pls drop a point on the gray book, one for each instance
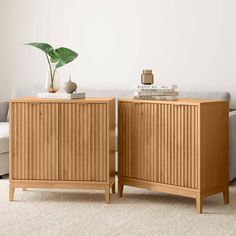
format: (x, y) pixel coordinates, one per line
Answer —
(163, 98)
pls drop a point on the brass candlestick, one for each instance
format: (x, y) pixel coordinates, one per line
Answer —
(147, 77)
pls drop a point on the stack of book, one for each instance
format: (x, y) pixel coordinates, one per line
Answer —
(156, 92)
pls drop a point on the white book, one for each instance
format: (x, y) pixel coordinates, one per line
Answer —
(61, 95)
(157, 86)
(155, 90)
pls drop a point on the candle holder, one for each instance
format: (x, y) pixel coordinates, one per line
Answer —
(147, 77)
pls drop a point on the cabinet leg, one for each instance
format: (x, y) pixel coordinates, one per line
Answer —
(120, 189)
(24, 189)
(226, 196)
(107, 195)
(199, 203)
(113, 188)
(11, 192)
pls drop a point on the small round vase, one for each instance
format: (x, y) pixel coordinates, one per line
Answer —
(52, 86)
(70, 86)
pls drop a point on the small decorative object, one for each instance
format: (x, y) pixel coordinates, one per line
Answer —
(147, 90)
(147, 77)
(70, 86)
(56, 58)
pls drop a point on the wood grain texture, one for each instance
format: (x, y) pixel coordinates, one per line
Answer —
(183, 144)
(62, 144)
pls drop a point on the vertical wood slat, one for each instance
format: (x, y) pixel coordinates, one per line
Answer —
(152, 142)
(172, 160)
(148, 137)
(95, 122)
(139, 117)
(189, 147)
(139, 137)
(133, 143)
(169, 134)
(135, 132)
(159, 146)
(155, 160)
(145, 140)
(120, 140)
(165, 145)
(127, 140)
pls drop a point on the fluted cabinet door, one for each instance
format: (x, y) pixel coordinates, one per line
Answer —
(34, 141)
(159, 143)
(83, 137)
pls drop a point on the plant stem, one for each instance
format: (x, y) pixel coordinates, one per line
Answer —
(53, 74)
(50, 68)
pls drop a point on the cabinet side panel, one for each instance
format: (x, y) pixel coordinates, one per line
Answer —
(214, 128)
(112, 124)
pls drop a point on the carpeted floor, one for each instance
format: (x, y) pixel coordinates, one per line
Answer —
(139, 212)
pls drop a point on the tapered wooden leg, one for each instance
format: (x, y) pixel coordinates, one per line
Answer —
(120, 189)
(11, 192)
(199, 203)
(114, 188)
(107, 195)
(24, 189)
(226, 196)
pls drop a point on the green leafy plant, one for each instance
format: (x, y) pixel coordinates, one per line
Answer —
(59, 57)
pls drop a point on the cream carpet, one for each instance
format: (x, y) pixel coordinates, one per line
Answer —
(139, 212)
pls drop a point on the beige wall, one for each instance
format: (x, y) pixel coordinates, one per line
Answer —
(188, 42)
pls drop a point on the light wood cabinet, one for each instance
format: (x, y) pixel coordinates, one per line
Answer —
(178, 147)
(62, 144)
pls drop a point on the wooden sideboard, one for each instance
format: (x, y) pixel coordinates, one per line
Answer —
(62, 144)
(177, 147)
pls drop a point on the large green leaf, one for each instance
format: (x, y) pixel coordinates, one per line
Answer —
(63, 56)
(45, 47)
(59, 57)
